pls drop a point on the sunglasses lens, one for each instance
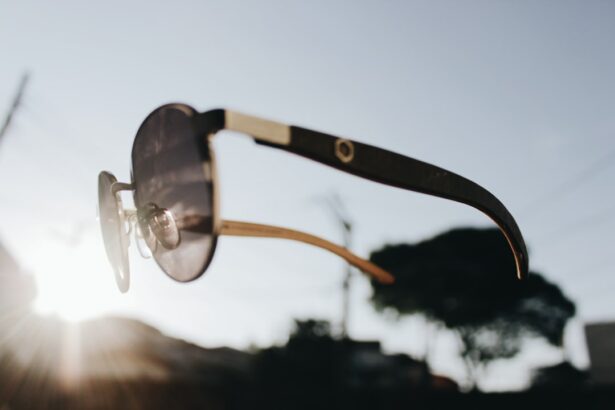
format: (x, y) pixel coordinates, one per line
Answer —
(112, 226)
(173, 176)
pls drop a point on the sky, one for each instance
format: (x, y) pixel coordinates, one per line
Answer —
(517, 96)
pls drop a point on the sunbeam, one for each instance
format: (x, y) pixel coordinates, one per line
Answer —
(71, 283)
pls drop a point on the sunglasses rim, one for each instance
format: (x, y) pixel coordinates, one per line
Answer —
(203, 147)
(122, 282)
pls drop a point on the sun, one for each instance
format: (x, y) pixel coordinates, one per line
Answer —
(74, 281)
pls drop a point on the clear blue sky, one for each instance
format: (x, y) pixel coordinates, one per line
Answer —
(518, 96)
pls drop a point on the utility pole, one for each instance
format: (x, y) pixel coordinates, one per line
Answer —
(15, 105)
(340, 214)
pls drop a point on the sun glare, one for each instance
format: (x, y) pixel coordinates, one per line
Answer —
(74, 281)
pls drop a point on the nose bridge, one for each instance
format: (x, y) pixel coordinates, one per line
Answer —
(122, 186)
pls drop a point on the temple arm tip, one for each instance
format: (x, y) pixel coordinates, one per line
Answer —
(523, 268)
(379, 274)
(522, 274)
(387, 280)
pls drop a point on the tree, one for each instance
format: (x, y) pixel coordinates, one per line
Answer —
(464, 280)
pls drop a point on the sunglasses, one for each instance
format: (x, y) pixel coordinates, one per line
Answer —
(175, 191)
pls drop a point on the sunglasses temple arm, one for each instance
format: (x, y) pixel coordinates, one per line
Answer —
(397, 170)
(236, 228)
(376, 164)
(382, 166)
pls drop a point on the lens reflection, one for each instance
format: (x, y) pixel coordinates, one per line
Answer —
(111, 224)
(173, 172)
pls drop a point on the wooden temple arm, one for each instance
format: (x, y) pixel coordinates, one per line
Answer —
(375, 164)
(235, 228)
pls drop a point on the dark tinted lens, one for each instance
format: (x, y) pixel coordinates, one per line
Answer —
(173, 176)
(111, 224)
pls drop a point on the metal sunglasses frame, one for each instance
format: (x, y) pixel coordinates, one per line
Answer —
(346, 155)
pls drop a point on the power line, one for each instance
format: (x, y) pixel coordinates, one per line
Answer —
(572, 183)
(16, 102)
(579, 225)
(339, 212)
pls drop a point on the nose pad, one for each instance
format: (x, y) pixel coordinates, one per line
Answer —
(127, 222)
(162, 225)
(146, 242)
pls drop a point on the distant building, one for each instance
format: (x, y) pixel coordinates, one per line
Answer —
(601, 345)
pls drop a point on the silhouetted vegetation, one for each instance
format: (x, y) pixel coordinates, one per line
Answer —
(561, 375)
(465, 280)
(123, 363)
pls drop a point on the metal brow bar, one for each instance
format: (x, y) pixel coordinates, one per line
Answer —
(235, 228)
(375, 164)
(263, 130)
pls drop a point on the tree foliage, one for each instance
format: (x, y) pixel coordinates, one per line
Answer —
(465, 280)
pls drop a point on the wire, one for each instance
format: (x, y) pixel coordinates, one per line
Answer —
(579, 225)
(572, 183)
(16, 102)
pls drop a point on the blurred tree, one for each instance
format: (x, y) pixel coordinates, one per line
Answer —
(465, 280)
